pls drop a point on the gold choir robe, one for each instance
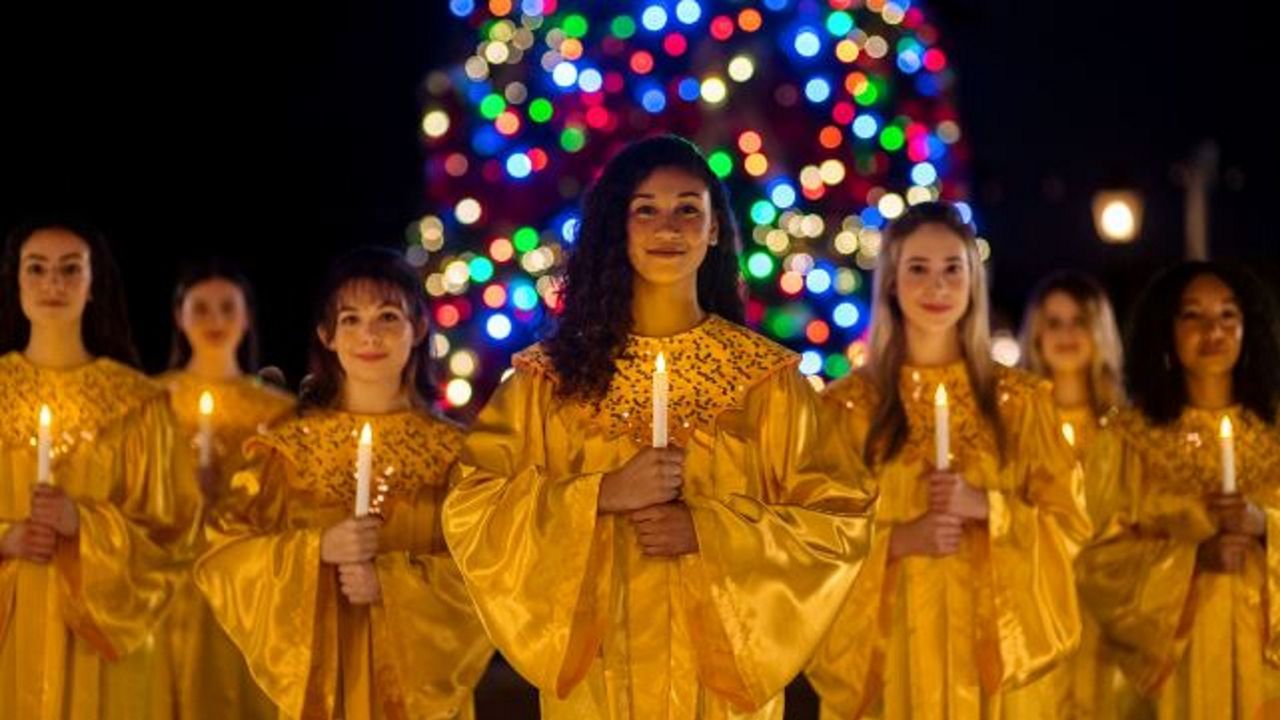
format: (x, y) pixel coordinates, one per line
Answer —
(1204, 645)
(208, 674)
(416, 654)
(76, 634)
(967, 635)
(606, 632)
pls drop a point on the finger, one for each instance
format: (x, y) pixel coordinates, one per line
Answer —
(646, 515)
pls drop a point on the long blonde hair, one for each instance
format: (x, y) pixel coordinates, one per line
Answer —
(1106, 367)
(888, 344)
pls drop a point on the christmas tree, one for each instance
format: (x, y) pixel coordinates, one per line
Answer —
(824, 119)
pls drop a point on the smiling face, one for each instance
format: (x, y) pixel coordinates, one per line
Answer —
(54, 277)
(670, 226)
(1208, 330)
(214, 316)
(932, 280)
(373, 334)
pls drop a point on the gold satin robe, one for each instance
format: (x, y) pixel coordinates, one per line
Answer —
(208, 674)
(1092, 685)
(967, 635)
(606, 632)
(76, 634)
(1204, 645)
(416, 654)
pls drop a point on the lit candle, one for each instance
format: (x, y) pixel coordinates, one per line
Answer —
(1228, 444)
(204, 438)
(1069, 432)
(941, 429)
(44, 445)
(364, 470)
(660, 391)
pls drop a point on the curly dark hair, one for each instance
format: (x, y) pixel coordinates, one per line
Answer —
(104, 327)
(597, 281)
(1154, 375)
(195, 273)
(392, 275)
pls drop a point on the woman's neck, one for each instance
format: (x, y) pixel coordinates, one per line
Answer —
(374, 398)
(57, 347)
(932, 348)
(214, 367)
(665, 310)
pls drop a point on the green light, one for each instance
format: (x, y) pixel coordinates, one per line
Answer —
(573, 139)
(839, 23)
(525, 239)
(575, 26)
(870, 93)
(836, 366)
(623, 27)
(541, 110)
(492, 106)
(481, 269)
(721, 163)
(892, 139)
(759, 265)
(763, 212)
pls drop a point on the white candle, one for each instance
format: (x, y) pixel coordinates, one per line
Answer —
(941, 429)
(660, 392)
(1228, 444)
(364, 470)
(44, 445)
(204, 438)
(1069, 432)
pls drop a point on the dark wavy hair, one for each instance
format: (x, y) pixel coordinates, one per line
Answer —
(104, 327)
(389, 272)
(596, 318)
(215, 269)
(1154, 375)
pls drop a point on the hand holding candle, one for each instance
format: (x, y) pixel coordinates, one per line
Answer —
(660, 392)
(364, 470)
(941, 429)
(204, 436)
(44, 446)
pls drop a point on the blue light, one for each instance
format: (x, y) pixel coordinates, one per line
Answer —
(763, 212)
(519, 165)
(817, 90)
(487, 142)
(654, 100)
(531, 7)
(818, 281)
(924, 174)
(909, 61)
(937, 148)
(846, 315)
(498, 326)
(782, 194)
(689, 89)
(871, 217)
(461, 8)
(865, 126)
(808, 43)
(688, 11)
(654, 18)
(810, 362)
(590, 80)
(928, 85)
(569, 229)
(966, 212)
(776, 5)
(524, 297)
(564, 74)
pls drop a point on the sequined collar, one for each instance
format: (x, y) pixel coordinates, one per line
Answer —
(1186, 452)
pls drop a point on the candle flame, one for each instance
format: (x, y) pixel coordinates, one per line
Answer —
(940, 396)
(46, 416)
(1224, 428)
(366, 435)
(661, 363)
(1069, 432)
(206, 403)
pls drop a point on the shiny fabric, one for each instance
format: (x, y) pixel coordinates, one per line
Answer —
(967, 635)
(416, 654)
(208, 675)
(76, 634)
(1204, 645)
(606, 632)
